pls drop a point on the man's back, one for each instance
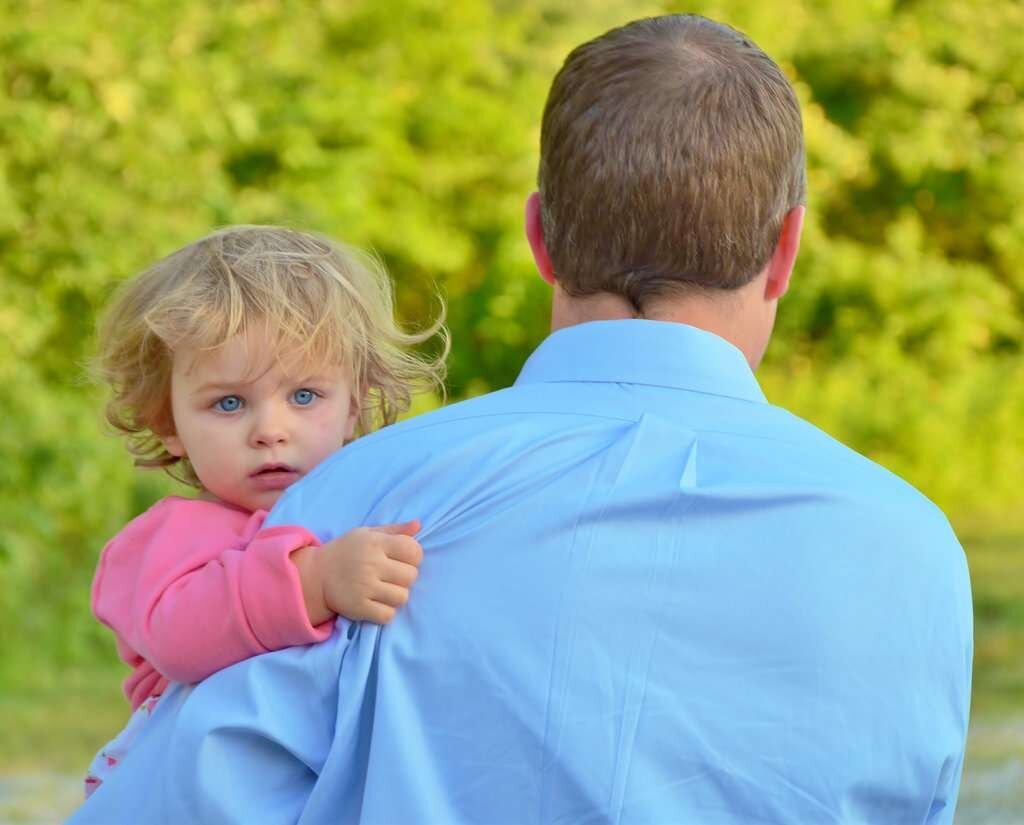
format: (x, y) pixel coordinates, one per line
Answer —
(640, 603)
(648, 596)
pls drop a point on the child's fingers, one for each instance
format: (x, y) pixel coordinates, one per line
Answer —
(390, 594)
(404, 549)
(400, 573)
(406, 528)
(377, 613)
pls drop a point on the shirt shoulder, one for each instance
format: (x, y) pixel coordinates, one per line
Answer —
(894, 505)
(407, 442)
(439, 454)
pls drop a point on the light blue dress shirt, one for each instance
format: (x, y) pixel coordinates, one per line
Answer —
(648, 596)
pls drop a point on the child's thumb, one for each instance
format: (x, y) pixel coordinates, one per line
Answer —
(407, 528)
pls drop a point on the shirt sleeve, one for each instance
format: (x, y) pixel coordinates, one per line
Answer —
(193, 587)
(955, 624)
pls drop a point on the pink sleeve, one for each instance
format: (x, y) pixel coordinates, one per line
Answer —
(193, 586)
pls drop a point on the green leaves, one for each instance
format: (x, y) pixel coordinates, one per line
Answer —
(412, 127)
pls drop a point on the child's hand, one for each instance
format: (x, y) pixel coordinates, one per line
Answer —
(366, 573)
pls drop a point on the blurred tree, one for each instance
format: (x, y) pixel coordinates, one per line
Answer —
(411, 127)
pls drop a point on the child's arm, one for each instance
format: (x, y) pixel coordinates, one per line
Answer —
(192, 589)
(364, 575)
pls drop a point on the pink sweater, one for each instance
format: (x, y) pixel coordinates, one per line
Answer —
(190, 587)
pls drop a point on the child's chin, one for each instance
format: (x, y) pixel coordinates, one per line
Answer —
(266, 500)
(253, 501)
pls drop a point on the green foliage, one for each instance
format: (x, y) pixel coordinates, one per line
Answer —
(411, 126)
(902, 334)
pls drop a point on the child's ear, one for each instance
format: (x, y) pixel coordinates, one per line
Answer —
(173, 445)
(353, 418)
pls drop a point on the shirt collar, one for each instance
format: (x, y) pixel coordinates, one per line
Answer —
(656, 353)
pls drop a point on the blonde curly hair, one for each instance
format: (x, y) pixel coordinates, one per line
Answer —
(326, 303)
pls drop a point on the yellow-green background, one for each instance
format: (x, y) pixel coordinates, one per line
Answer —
(411, 126)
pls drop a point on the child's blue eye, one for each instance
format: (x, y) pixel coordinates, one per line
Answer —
(229, 403)
(303, 397)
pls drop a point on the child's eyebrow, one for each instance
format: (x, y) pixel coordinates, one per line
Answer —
(220, 385)
(317, 378)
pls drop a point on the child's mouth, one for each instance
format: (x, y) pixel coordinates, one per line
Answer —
(274, 476)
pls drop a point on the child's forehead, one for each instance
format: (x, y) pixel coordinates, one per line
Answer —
(247, 359)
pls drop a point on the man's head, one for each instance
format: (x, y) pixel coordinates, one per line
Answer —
(671, 155)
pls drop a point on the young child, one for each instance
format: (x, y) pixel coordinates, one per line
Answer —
(238, 364)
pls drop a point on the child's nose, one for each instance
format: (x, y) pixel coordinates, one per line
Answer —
(269, 431)
(270, 438)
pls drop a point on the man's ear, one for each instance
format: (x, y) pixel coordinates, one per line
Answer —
(780, 267)
(535, 235)
(173, 445)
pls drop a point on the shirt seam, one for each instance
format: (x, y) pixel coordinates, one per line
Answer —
(762, 399)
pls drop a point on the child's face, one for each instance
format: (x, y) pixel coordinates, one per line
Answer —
(250, 429)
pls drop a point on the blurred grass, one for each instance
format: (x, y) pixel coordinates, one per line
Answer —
(55, 721)
(995, 553)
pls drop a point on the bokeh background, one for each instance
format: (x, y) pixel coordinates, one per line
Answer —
(128, 129)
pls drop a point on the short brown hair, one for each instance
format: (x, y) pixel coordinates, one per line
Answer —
(671, 150)
(320, 301)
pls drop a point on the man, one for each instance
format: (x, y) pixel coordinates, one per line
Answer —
(647, 594)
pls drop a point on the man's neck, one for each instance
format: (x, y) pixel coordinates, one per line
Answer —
(728, 315)
(567, 311)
